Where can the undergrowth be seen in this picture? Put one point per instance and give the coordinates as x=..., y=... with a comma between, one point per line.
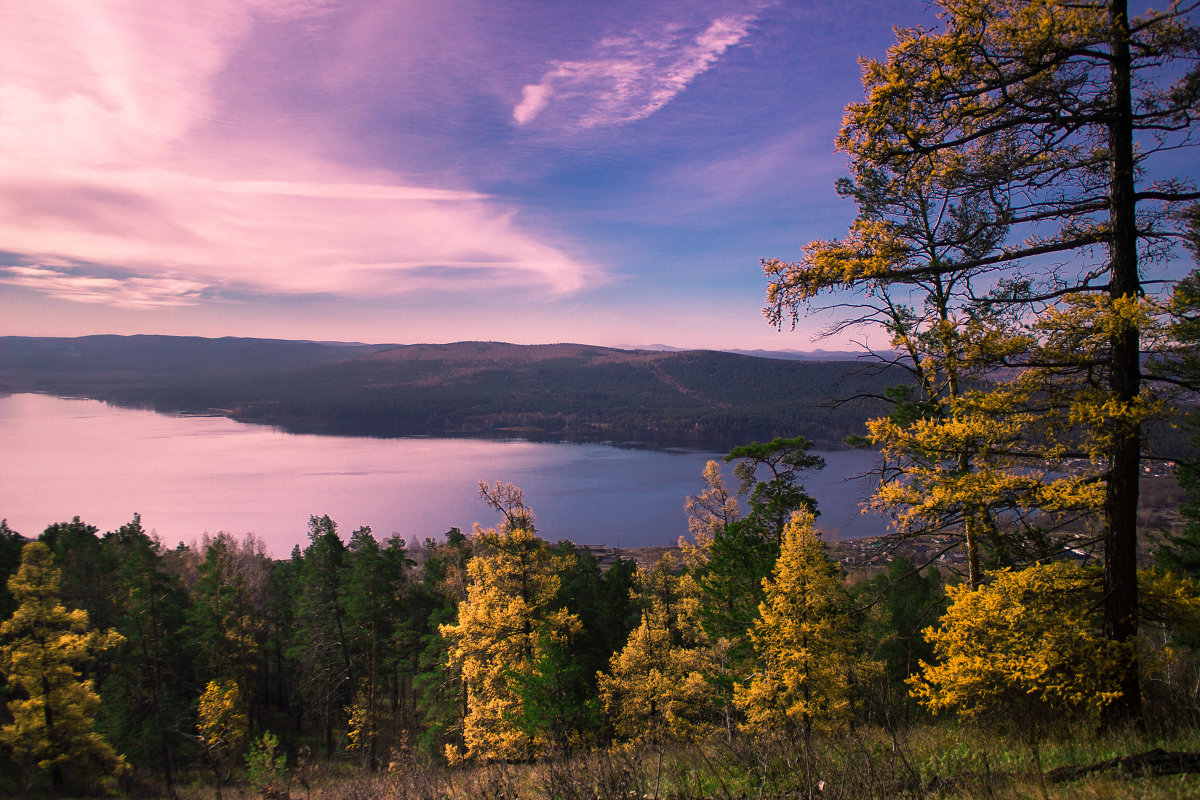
x=928, y=761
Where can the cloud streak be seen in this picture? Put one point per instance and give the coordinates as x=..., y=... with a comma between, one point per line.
x=119, y=157
x=134, y=293
x=282, y=237
x=630, y=77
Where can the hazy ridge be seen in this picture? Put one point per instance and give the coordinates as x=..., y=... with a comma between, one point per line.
x=554, y=391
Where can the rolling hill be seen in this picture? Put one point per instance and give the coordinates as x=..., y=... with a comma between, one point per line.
x=543, y=392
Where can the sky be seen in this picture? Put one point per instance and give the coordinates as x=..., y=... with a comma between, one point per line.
x=607, y=172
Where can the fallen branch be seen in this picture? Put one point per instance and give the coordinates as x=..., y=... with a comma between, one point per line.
x=1151, y=762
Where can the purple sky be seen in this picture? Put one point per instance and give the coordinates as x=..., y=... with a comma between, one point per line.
x=604, y=172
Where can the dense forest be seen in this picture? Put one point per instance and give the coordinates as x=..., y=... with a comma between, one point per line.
x=367, y=665
x=547, y=392
x=1011, y=174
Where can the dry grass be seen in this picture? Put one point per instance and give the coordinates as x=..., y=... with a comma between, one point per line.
x=927, y=762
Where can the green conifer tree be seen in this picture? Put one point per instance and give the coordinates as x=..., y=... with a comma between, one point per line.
x=149, y=685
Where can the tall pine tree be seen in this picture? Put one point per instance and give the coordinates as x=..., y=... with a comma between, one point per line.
x=1057, y=112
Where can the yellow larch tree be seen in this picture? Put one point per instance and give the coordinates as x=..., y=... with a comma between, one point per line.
x=1027, y=650
x=1024, y=652
x=42, y=647
x=917, y=259
x=224, y=727
x=1067, y=117
x=510, y=615
x=656, y=689
x=991, y=467
x=710, y=512
x=804, y=640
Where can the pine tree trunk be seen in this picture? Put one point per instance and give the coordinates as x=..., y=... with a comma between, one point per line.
x=1120, y=539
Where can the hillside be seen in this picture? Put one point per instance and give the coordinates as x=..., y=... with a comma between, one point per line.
x=558, y=391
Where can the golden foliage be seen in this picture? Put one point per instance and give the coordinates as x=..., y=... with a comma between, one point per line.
x=41, y=650
x=656, y=689
x=972, y=459
x=510, y=610
x=709, y=513
x=360, y=721
x=804, y=640
x=1002, y=121
x=1026, y=649
x=223, y=722
x=952, y=73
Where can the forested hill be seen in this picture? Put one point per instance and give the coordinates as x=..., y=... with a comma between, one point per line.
x=570, y=391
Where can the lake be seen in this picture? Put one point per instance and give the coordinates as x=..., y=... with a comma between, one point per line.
x=187, y=475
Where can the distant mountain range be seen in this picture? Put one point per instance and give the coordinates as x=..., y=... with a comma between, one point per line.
x=785, y=355
x=545, y=392
x=804, y=355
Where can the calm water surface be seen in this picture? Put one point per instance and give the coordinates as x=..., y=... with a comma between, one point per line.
x=189, y=475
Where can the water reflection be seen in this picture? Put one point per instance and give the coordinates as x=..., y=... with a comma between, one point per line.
x=187, y=475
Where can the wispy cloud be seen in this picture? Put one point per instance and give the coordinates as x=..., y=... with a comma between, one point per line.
x=137, y=293
x=283, y=237
x=119, y=156
x=630, y=77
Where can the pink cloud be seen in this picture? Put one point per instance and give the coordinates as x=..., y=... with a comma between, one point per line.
x=115, y=150
x=280, y=237
x=534, y=99
x=631, y=77
x=136, y=293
